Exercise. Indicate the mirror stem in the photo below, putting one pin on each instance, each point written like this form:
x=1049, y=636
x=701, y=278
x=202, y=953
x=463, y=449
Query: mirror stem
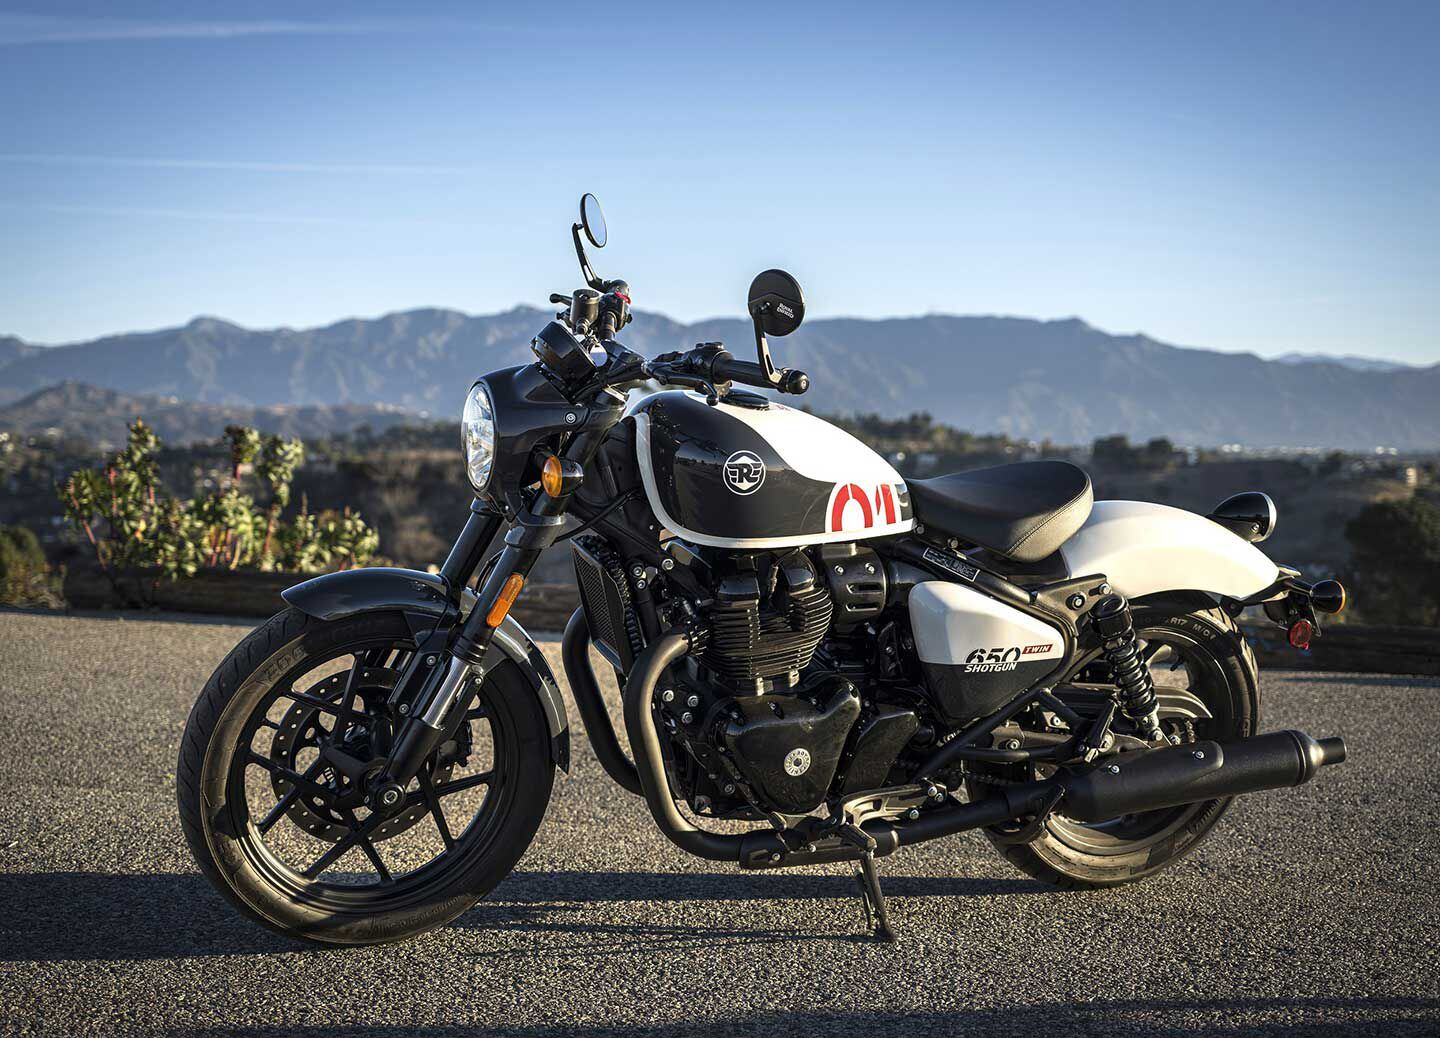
x=585, y=271
x=762, y=348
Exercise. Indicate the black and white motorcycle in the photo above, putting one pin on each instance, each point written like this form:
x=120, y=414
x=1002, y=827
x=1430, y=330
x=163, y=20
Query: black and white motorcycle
x=850, y=660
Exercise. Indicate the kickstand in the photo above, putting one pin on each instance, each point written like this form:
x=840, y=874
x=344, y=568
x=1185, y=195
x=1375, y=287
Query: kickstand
x=872, y=898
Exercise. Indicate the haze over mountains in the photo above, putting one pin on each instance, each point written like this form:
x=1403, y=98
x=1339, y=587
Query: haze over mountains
x=1063, y=380
x=102, y=416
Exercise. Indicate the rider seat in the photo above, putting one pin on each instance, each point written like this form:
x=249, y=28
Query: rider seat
x=1023, y=511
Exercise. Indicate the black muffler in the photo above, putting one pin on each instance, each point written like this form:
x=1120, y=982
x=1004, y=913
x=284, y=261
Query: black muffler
x=1130, y=783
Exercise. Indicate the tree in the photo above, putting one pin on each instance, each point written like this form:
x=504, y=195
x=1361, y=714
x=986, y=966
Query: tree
x=1395, y=560
x=1114, y=452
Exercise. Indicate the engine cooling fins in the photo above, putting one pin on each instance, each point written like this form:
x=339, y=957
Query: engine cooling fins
x=758, y=635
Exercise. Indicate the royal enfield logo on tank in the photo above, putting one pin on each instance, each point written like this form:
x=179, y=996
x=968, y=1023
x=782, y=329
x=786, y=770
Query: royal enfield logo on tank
x=744, y=472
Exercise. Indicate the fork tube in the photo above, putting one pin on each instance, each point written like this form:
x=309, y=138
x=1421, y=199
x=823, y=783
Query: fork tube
x=531, y=533
x=469, y=548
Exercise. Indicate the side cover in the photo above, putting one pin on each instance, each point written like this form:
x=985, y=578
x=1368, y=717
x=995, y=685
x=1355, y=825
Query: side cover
x=977, y=652
x=1142, y=548
x=764, y=476
x=333, y=596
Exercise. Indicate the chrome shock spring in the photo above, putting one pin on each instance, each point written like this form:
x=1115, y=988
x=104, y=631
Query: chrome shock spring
x=1113, y=623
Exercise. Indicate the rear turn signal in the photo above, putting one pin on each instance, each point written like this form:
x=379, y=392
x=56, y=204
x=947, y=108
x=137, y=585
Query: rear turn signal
x=511, y=591
x=1328, y=596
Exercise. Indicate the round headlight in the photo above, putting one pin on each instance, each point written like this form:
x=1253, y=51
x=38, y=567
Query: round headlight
x=477, y=436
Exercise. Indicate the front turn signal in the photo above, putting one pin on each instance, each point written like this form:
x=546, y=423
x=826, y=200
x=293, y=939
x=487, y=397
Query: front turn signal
x=559, y=477
x=552, y=478
x=508, y=593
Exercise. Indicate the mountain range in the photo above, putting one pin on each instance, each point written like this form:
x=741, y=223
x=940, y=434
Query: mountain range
x=1063, y=379
x=102, y=416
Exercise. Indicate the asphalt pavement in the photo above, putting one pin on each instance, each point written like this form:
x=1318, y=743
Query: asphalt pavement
x=1309, y=911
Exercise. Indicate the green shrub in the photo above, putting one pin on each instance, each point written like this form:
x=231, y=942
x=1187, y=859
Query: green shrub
x=25, y=576
x=130, y=520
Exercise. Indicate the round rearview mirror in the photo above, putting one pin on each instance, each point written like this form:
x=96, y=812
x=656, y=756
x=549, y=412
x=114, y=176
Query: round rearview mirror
x=593, y=220
x=776, y=302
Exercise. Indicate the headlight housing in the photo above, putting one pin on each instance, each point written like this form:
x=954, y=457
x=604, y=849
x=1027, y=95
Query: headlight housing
x=477, y=436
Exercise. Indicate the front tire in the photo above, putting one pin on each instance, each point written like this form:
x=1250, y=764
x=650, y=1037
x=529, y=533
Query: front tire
x=1218, y=664
x=243, y=805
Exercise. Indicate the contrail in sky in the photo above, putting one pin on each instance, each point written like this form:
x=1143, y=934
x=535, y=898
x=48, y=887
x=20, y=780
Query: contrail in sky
x=241, y=165
x=18, y=29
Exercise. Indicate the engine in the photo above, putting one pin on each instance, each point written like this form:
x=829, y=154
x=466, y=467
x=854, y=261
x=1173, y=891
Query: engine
x=759, y=725
x=766, y=620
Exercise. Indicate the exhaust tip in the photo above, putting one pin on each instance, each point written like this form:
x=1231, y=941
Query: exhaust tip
x=1332, y=750
x=1316, y=754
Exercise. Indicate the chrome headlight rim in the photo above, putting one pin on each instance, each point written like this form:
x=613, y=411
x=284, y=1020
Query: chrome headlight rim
x=478, y=436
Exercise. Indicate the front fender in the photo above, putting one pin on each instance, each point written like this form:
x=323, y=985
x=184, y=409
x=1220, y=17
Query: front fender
x=334, y=596
x=1142, y=548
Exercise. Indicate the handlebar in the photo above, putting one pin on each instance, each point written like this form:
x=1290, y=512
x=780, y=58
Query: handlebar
x=710, y=364
x=726, y=368
x=705, y=367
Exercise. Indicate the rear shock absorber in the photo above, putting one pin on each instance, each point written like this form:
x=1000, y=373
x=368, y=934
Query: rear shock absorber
x=1116, y=628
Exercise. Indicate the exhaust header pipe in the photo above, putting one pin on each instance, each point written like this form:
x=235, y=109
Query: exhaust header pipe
x=1196, y=771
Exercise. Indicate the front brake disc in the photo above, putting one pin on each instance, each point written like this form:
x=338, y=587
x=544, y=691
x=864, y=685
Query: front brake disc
x=301, y=732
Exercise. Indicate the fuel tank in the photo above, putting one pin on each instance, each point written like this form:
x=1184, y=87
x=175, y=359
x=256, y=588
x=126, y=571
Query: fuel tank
x=749, y=473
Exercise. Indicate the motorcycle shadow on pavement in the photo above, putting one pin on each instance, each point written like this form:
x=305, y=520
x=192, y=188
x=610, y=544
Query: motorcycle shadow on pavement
x=1287, y=1017
x=95, y=916
x=553, y=908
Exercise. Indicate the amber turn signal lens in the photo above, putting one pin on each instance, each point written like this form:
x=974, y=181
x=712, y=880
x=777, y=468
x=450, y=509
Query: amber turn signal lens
x=552, y=476
x=511, y=591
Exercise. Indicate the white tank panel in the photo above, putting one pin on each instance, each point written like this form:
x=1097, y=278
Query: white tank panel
x=951, y=622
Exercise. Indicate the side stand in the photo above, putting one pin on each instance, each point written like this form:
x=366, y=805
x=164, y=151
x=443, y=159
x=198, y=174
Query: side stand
x=872, y=898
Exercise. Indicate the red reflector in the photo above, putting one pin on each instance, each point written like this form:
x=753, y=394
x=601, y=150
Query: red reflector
x=1300, y=633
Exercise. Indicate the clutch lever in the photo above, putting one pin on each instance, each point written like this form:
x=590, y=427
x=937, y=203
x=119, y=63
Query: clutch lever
x=661, y=372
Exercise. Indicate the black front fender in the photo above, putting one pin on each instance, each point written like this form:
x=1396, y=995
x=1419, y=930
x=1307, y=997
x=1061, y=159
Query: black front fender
x=334, y=596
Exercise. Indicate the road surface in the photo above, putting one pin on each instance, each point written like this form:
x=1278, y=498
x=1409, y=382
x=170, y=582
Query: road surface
x=1311, y=911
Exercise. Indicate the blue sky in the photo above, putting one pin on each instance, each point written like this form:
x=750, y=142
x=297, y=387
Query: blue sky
x=1237, y=176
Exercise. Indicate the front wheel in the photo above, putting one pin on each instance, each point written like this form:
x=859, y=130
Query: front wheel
x=1208, y=688
x=269, y=789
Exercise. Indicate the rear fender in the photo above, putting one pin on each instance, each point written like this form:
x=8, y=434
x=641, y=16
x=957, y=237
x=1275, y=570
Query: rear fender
x=1143, y=548
x=423, y=598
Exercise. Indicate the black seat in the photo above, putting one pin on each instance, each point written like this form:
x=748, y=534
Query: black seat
x=1024, y=511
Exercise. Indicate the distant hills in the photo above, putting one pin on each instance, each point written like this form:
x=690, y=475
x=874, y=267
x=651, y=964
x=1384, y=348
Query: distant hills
x=1347, y=360
x=102, y=416
x=1063, y=380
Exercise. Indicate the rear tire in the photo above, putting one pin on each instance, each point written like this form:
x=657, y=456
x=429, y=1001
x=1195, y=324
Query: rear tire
x=1072, y=856
x=232, y=851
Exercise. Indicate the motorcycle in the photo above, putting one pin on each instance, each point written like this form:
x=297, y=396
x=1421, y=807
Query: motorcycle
x=805, y=640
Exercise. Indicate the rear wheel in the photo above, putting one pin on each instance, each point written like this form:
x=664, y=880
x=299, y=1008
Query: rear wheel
x=1207, y=685
x=271, y=776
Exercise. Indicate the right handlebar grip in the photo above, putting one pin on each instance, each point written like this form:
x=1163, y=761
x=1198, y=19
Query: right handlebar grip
x=795, y=382
x=728, y=369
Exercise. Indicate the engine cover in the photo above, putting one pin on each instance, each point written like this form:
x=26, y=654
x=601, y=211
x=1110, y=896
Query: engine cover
x=787, y=748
